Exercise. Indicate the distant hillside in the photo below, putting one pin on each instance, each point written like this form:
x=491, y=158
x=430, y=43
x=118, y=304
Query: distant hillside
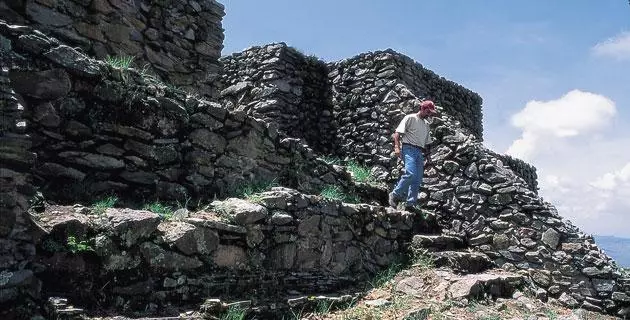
x=617, y=248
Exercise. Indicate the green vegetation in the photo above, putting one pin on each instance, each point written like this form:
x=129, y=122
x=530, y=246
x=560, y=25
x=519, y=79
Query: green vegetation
x=423, y=260
x=323, y=307
x=234, y=313
x=385, y=276
x=123, y=62
x=250, y=191
x=294, y=315
x=100, y=206
x=551, y=314
x=78, y=247
x=164, y=211
x=359, y=173
x=331, y=192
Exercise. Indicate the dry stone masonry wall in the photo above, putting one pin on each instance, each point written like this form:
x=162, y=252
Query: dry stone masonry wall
x=180, y=41
x=485, y=202
x=18, y=284
x=521, y=169
x=285, y=244
x=97, y=130
x=276, y=82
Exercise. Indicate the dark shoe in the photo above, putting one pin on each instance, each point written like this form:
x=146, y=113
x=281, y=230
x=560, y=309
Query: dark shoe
x=392, y=200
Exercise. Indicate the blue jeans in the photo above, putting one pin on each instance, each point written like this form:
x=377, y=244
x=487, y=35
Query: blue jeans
x=409, y=184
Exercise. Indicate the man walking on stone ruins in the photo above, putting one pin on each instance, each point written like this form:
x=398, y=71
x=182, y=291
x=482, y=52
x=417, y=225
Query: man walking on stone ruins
x=416, y=138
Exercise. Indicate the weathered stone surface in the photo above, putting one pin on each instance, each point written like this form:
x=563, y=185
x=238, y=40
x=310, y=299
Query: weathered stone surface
x=229, y=257
x=208, y=140
x=568, y=300
x=465, y=262
x=189, y=239
x=411, y=285
x=131, y=225
x=159, y=258
x=551, y=238
x=499, y=285
x=45, y=85
x=92, y=160
x=244, y=212
x=437, y=242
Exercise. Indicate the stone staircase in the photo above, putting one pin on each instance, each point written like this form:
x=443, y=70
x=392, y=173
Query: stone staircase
x=467, y=274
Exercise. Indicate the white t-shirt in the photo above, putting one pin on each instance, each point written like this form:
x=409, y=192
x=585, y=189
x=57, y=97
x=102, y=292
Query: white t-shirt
x=414, y=130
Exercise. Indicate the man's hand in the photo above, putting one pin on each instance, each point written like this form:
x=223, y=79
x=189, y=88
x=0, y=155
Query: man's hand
x=397, y=152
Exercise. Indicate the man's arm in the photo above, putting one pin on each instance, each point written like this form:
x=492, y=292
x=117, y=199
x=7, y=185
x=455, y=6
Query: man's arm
x=396, y=136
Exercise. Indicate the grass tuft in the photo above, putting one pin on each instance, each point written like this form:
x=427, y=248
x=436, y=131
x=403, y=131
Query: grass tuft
x=100, y=206
x=421, y=258
x=335, y=193
x=123, y=62
x=234, y=313
x=323, y=307
x=359, y=173
x=250, y=191
x=165, y=212
x=385, y=276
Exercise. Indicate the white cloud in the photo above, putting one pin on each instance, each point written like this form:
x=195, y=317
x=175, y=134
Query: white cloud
x=579, y=149
x=614, y=180
x=617, y=47
x=576, y=113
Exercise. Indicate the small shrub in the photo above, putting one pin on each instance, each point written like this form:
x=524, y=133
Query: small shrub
x=165, y=212
x=100, y=206
x=123, y=62
x=78, y=247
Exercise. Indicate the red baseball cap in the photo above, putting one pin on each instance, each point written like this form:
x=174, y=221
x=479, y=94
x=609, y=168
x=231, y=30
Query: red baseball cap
x=428, y=105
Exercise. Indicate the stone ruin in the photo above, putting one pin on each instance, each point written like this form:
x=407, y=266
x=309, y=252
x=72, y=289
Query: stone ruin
x=187, y=126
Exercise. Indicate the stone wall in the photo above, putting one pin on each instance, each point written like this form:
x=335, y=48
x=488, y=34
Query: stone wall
x=285, y=244
x=98, y=129
x=379, y=81
x=494, y=209
x=17, y=250
x=521, y=169
x=180, y=41
x=278, y=83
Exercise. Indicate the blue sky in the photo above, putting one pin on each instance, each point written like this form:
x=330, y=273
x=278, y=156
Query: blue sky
x=531, y=61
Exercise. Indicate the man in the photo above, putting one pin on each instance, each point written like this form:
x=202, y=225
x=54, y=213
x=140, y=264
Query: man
x=416, y=138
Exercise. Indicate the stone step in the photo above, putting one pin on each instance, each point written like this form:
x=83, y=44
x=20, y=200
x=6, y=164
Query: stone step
x=444, y=284
x=462, y=261
x=435, y=243
x=490, y=284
